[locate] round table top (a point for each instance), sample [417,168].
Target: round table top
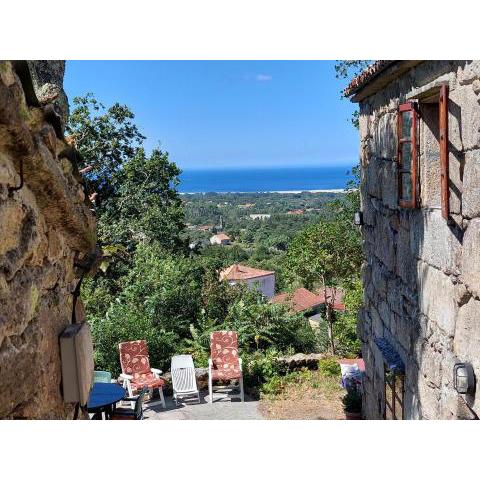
[104,394]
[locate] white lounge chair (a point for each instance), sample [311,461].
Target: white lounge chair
[183,378]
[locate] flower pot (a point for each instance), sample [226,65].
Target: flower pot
[353,415]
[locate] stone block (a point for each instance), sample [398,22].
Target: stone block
[465,102]
[371,181]
[437,298]
[466,344]
[385,136]
[385,241]
[469,72]
[471,185]
[435,242]
[387,176]
[471,257]
[406,267]
[369,211]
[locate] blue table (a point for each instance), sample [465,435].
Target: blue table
[103,396]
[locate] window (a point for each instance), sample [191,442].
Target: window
[431,106]
[407,155]
[394,394]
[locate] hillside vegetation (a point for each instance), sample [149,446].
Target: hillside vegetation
[159,277]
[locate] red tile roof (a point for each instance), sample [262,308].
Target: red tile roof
[242,272]
[299,300]
[337,293]
[366,76]
[222,236]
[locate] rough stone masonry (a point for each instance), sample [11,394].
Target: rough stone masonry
[421,273]
[47,230]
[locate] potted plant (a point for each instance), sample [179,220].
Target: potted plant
[352,404]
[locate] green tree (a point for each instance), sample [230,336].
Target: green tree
[325,255]
[105,138]
[146,206]
[346,70]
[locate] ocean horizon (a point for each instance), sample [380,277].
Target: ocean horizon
[265,179]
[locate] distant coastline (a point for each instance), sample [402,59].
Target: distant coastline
[268,180]
[332,190]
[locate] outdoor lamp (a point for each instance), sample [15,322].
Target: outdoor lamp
[358,218]
[463,378]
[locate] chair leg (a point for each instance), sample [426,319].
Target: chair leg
[130,392]
[242,398]
[162,399]
[210,389]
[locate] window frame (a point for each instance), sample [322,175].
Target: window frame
[444,155]
[398,398]
[407,107]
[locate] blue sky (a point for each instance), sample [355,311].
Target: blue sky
[229,114]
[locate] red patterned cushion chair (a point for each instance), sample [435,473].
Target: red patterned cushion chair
[224,363]
[136,371]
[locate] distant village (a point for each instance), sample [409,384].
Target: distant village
[309,303]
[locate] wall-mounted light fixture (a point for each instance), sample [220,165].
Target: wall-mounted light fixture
[358,218]
[463,378]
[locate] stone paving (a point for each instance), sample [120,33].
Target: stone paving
[223,408]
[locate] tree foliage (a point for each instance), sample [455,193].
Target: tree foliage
[327,254]
[105,138]
[146,206]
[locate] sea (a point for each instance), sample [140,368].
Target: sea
[280,179]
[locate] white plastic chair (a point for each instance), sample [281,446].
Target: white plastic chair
[183,377]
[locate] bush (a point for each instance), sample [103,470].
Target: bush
[259,368]
[261,325]
[352,401]
[329,367]
[123,324]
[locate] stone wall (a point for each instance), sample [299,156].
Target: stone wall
[422,275]
[46,228]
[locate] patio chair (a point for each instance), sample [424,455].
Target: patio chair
[224,363]
[136,371]
[184,381]
[131,414]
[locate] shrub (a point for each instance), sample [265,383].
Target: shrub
[259,368]
[329,367]
[123,324]
[352,401]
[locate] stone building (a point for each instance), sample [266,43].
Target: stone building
[47,238]
[420,188]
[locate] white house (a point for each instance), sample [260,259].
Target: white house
[262,280]
[220,239]
[260,216]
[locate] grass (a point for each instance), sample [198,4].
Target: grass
[304,395]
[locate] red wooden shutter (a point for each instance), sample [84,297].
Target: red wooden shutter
[444,164]
[407,155]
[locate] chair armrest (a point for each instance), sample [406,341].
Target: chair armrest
[156,370]
[125,376]
[130,399]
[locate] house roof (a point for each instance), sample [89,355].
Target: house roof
[297,211]
[299,300]
[376,76]
[337,293]
[366,76]
[242,272]
[221,236]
